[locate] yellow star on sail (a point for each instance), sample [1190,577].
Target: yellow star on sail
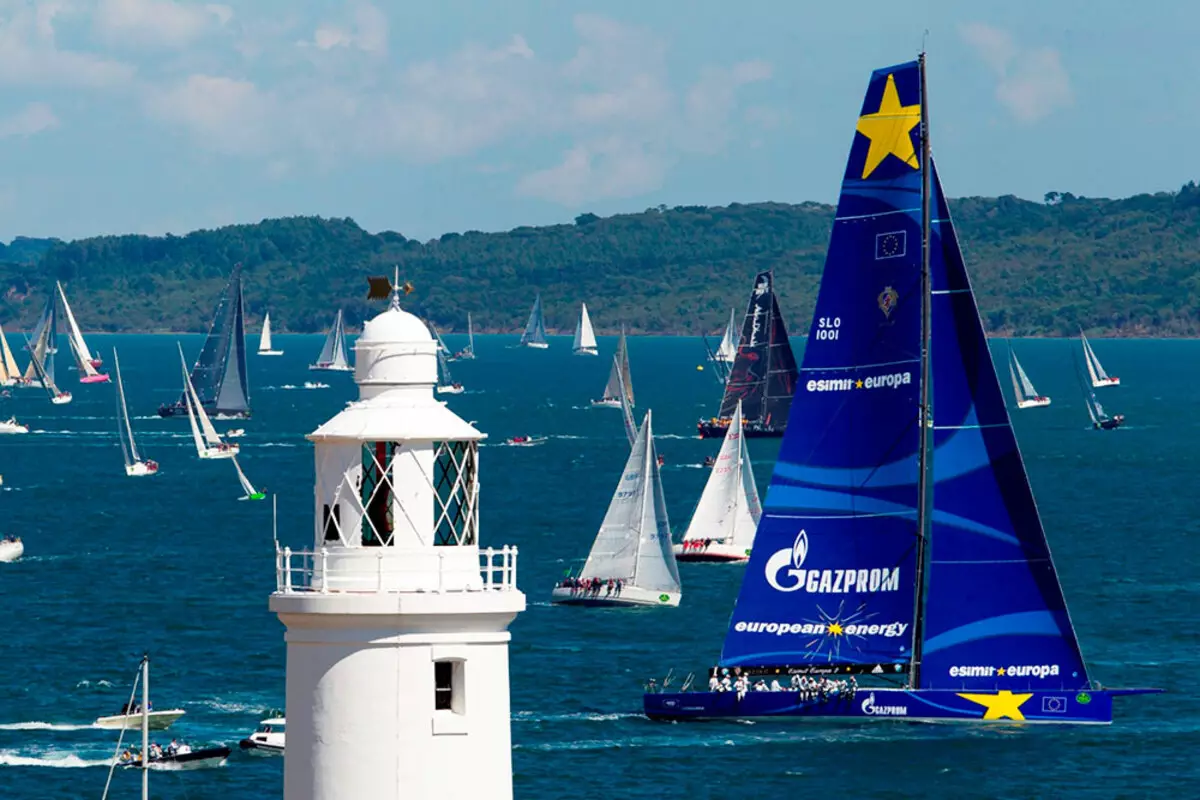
[1002,705]
[889,130]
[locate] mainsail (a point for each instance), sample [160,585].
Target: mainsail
[585,337]
[763,375]
[333,353]
[43,342]
[124,429]
[219,376]
[634,542]
[264,339]
[729,508]
[535,328]
[250,492]
[1095,369]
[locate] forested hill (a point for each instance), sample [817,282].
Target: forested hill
[1127,267]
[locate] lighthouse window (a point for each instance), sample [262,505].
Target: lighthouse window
[376,494]
[332,523]
[443,685]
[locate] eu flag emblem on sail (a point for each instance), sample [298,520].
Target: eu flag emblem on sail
[893,244]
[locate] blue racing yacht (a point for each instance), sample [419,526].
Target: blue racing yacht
[900,569]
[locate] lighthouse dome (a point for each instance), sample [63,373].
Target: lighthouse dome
[395,326]
[395,352]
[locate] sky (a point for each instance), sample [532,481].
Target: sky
[156,116]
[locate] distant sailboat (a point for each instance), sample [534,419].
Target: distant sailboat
[42,343]
[264,339]
[585,337]
[1100,420]
[220,385]
[1027,396]
[631,562]
[1095,371]
[208,441]
[726,351]
[135,467]
[334,356]
[535,329]
[446,383]
[627,413]
[723,524]
[763,375]
[10,374]
[44,375]
[83,357]
[619,378]
[248,488]
[468,352]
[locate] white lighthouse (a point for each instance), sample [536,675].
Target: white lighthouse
[397,621]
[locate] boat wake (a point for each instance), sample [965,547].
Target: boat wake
[43,726]
[576,716]
[11,758]
[234,707]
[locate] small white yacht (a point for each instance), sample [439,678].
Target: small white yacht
[131,719]
[11,548]
[12,426]
[268,737]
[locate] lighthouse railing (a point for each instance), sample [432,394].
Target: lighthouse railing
[381,569]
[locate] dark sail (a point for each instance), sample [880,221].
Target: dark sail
[763,376]
[219,375]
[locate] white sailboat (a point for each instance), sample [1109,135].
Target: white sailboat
[726,518]
[135,466]
[11,426]
[42,344]
[585,337]
[631,562]
[1027,396]
[84,360]
[445,382]
[44,373]
[726,351]
[250,493]
[265,347]
[619,378]
[1095,371]
[208,441]
[10,375]
[334,356]
[468,352]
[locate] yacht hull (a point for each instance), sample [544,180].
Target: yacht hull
[630,596]
[713,554]
[158,720]
[1075,707]
[180,410]
[711,430]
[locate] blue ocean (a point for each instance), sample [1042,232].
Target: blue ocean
[176,566]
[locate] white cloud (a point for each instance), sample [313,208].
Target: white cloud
[601,170]
[164,23]
[367,30]
[1031,83]
[33,118]
[29,54]
[227,114]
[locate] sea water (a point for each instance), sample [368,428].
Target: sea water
[176,566]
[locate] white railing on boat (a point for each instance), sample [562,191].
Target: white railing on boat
[371,570]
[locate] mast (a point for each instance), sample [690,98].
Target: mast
[146,727]
[925,417]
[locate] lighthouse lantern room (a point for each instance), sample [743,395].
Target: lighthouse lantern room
[397,621]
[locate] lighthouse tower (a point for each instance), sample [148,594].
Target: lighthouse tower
[397,621]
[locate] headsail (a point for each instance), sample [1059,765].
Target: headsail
[626,409]
[993,601]
[585,337]
[729,508]
[264,339]
[333,353]
[196,410]
[250,492]
[763,375]
[634,542]
[43,342]
[831,580]
[9,373]
[535,328]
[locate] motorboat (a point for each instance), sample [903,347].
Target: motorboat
[11,548]
[12,426]
[315,385]
[268,737]
[525,441]
[235,433]
[177,756]
[131,719]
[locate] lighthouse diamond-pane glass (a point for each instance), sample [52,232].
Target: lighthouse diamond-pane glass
[455,484]
[376,494]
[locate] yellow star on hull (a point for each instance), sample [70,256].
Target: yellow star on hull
[1002,705]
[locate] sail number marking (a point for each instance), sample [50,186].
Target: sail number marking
[828,328]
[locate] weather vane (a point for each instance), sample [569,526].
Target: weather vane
[381,288]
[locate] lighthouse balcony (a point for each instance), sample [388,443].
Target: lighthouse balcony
[378,570]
